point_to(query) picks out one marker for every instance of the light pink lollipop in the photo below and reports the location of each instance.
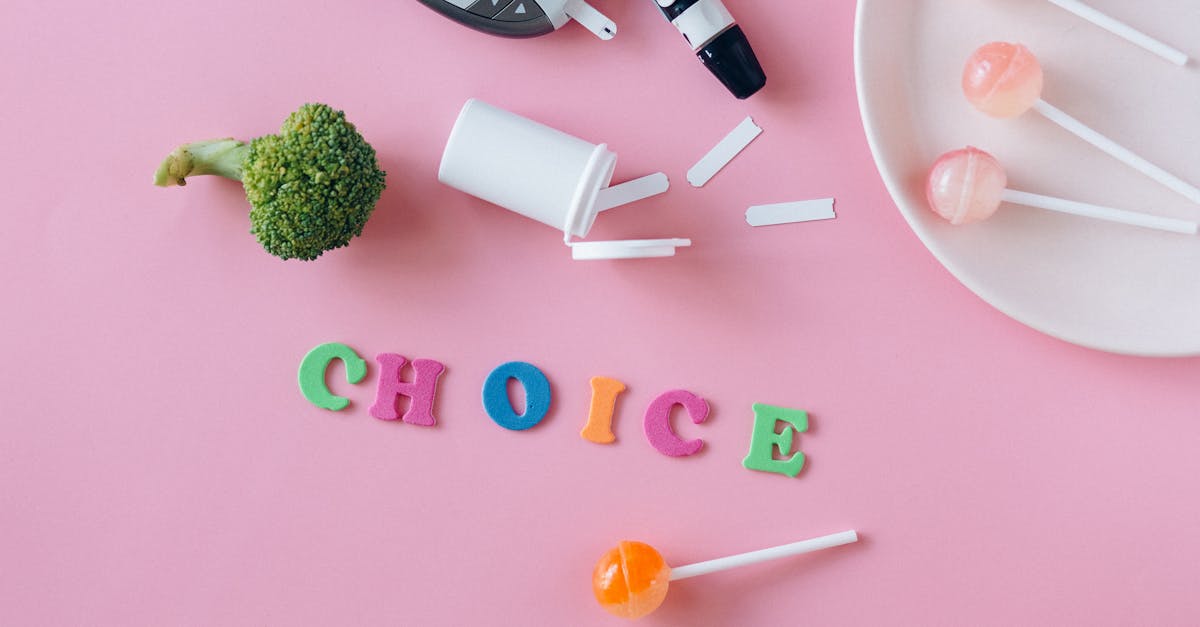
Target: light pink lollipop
(1005, 80)
(969, 185)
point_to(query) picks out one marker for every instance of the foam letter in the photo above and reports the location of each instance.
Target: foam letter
(312, 374)
(658, 422)
(421, 391)
(600, 415)
(764, 439)
(537, 395)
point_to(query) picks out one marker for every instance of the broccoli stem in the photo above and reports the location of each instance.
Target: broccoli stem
(223, 157)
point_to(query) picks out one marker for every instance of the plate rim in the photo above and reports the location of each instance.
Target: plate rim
(897, 191)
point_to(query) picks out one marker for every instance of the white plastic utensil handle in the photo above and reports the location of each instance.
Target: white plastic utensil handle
(1178, 57)
(788, 212)
(591, 19)
(754, 557)
(1121, 153)
(632, 191)
(723, 152)
(1086, 210)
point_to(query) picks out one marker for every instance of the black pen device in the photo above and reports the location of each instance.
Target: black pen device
(718, 42)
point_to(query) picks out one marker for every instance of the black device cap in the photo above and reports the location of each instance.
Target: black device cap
(731, 59)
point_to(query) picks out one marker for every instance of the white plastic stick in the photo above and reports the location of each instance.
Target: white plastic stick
(789, 212)
(1178, 57)
(632, 191)
(1086, 210)
(723, 152)
(754, 557)
(591, 19)
(1121, 153)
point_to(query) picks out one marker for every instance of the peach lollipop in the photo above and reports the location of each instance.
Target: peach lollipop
(969, 185)
(631, 580)
(1004, 80)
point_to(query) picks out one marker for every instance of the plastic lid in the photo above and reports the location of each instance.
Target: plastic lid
(626, 249)
(597, 174)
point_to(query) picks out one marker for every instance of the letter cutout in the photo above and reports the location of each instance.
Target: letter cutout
(421, 391)
(537, 395)
(764, 438)
(312, 374)
(600, 415)
(658, 422)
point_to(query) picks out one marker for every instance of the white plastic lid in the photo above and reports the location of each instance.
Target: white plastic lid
(597, 174)
(626, 249)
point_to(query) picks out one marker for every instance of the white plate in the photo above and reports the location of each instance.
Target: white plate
(1101, 285)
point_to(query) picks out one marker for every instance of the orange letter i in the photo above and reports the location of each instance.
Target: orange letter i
(604, 402)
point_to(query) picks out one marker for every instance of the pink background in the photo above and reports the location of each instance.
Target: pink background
(159, 467)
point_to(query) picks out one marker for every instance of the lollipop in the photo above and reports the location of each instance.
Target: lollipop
(1122, 29)
(1005, 80)
(631, 580)
(968, 186)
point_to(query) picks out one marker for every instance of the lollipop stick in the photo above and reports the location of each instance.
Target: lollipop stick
(1126, 156)
(1100, 213)
(1178, 57)
(754, 557)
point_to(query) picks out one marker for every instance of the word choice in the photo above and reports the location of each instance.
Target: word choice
(767, 438)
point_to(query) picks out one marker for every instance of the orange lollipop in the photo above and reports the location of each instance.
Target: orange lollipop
(631, 580)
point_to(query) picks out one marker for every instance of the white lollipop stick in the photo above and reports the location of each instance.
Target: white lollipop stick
(1121, 153)
(1086, 210)
(754, 557)
(1178, 57)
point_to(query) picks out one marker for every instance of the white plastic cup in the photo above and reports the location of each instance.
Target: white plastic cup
(526, 167)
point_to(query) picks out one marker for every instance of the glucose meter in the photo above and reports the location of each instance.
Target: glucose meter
(524, 18)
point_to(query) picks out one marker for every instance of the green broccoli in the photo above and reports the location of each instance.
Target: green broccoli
(311, 187)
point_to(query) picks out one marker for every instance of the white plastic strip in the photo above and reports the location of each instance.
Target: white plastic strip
(724, 152)
(1086, 210)
(788, 212)
(1117, 151)
(754, 557)
(632, 191)
(591, 19)
(626, 249)
(703, 21)
(1121, 29)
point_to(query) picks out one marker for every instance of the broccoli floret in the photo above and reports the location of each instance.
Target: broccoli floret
(311, 187)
